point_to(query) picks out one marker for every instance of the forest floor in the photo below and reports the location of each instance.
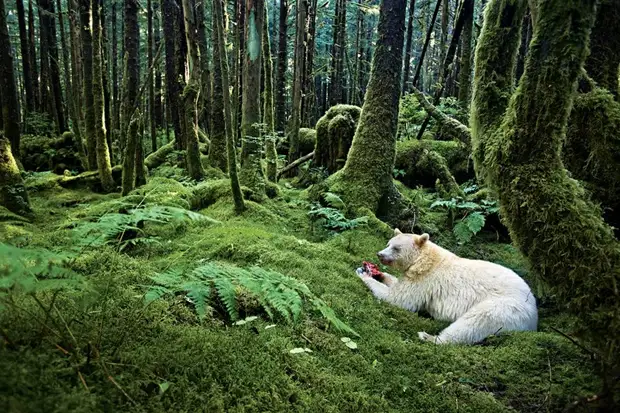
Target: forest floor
(102, 349)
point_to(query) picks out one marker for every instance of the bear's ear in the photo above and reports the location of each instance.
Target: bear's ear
(421, 240)
(397, 232)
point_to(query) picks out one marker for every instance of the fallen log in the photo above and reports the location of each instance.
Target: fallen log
(296, 163)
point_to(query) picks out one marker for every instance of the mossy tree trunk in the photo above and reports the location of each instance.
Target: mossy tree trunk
(192, 92)
(217, 148)
(28, 75)
(466, 56)
(366, 179)
(205, 80)
(87, 85)
(32, 56)
(299, 70)
(169, 14)
(280, 95)
(334, 135)
(8, 89)
(271, 156)
(230, 147)
(151, 86)
(115, 115)
(309, 94)
(252, 144)
(518, 138)
(103, 154)
(129, 157)
(13, 194)
(604, 60)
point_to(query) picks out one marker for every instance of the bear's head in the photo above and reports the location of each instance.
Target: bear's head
(402, 250)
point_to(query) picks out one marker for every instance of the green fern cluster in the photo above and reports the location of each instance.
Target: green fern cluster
(331, 218)
(127, 227)
(31, 271)
(465, 217)
(277, 293)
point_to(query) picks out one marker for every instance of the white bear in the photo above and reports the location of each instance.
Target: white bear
(480, 298)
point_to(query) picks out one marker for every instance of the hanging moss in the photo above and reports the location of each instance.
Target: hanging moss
(550, 218)
(13, 195)
(366, 179)
(591, 151)
(334, 134)
(409, 160)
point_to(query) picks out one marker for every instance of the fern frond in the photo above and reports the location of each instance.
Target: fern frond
(333, 200)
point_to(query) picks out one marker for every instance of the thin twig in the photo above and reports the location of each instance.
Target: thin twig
(575, 342)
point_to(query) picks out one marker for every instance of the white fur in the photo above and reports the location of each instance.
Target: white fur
(480, 298)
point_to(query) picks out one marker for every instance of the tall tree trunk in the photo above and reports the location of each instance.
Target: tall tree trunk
(76, 78)
(159, 111)
(338, 54)
(130, 94)
(8, 90)
(172, 82)
(443, 41)
(32, 56)
(271, 156)
(116, 118)
(359, 26)
(103, 155)
(218, 157)
(280, 95)
(48, 21)
(151, 86)
(26, 63)
(299, 70)
(205, 81)
(408, 46)
(87, 84)
(47, 101)
(518, 139)
(238, 89)
(366, 179)
(466, 56)
(107, 98)
(252, 143)
(309, 96)
(13, 195)
(180, 49)
(192, 92)
(230, 147)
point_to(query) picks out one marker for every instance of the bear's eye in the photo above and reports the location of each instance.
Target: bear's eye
(396, 249)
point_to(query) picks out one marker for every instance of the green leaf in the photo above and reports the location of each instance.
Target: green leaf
(349, 343)
(475, 222)
(333, 200)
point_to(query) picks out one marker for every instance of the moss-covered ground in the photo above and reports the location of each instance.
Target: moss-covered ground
(111, 353)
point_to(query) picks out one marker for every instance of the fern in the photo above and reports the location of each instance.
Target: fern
(333, 200)
(331, 218)
(126, 229)
(276, 292)
(34, 270)
(467, 218)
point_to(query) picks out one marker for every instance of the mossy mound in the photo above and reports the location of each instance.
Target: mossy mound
(163, 357)
(409, 154)
(307, 140)
(334, 135)
(42, 153)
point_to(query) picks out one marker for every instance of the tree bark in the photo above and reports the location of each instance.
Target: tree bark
(338, 55)
(158, 106)
(172, 84)
(230, 147)
(271, 155)
(408, 46)
(366, 179)
(151, 86)
(218, 157)
(466, 57)
(8, 90)
(280, 95)
(427, 41)
(87, 85)
(103, 154)
(26, 62)
(116, 122)
(32, 56)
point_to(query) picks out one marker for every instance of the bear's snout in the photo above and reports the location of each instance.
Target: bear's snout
(383, 257)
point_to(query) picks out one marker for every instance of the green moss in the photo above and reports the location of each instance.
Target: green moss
(307, 140)
(334, 134)
(412, 158)
(591, 151)
(43, 153)
(550, 219)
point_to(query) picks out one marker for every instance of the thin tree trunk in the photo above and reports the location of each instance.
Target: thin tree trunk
(52, 60)
(429, 34)
(230, 147)
(26, 62)
(309, 94)
(172, 84)
(192, 92)
(218, 157)
(300, 54)
(205, 93)
(76, 79)
(103, 155)
(116, 126)
(271, 155)
(10, 108)
(466, 57)
(159, 111)
(280, 95)
(32, 56)
(252, 143)
(151, 86)
(338, 51)
(87, 85)
(408, 46)
(107, 113)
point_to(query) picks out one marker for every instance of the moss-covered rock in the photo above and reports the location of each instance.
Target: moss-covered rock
(412, 159)
(334, 135)
(307, 141)
(43, 153)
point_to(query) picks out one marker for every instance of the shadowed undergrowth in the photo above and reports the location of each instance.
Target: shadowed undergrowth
(105, 350)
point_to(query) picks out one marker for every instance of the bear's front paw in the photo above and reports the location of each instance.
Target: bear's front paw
(361, 273)
(424, 336)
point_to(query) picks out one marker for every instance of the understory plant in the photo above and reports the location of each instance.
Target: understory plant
(331, 217)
